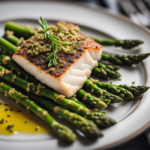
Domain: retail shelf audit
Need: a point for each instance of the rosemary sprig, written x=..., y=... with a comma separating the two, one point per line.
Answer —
x=54, y=41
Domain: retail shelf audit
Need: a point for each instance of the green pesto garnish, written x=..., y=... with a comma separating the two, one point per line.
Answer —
x=40, y=59
x=30, y=41
x=62, y=66
x=76, y=47
x=10, y=127
x=6, y=109
x=54, y=41
x=64, y=63
x=2, y=121
x=51, y=70
x=83, y=38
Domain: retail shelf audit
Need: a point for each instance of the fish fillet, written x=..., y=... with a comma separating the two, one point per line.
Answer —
x=66, y=80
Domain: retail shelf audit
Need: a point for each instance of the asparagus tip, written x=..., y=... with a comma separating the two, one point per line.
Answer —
x=64, y=132
x=129, y=95
x=105, y=121
x=100, y=104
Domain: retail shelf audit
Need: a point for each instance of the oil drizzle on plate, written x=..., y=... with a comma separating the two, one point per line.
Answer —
x=23, y=121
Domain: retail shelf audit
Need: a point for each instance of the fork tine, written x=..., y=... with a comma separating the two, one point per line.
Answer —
x=133, y=13
x=142, y=7
x=128, y=7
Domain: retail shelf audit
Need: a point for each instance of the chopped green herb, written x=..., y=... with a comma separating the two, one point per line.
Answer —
x=8, y=115
x=5, y=104
x=6, y=109
x=51, y=59
x=25, y=122
x=18, y=110
x=58, y=31
x=110, y=82
x=1, y=103
x=119, y=79
x=133, y=82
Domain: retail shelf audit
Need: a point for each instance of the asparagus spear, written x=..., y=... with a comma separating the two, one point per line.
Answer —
x=100, y=72
x=113, y=67
x=19, y=30
x=7, y=46
x=125, y=59
x=105, y=70
x=123, y=43
x=89, y=85
x=116, y=67
x=92, y=100
x=84, y=125
x=135, y=90
x=13, y=39
x=77, y=101
x=122, y=92
x=60, y=99
x=62, y=131
x=110, y=72
x=132, y=59
x=111, y=59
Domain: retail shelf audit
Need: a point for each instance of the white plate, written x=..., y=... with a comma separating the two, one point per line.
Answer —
x=133, y=115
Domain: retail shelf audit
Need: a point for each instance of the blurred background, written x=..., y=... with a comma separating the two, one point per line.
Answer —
x=139, y=12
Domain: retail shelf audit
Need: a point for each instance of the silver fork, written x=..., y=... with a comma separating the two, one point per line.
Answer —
x=142, y=7
x=134, y=14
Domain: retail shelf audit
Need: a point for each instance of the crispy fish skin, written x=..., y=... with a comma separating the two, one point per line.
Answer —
x=66, y=80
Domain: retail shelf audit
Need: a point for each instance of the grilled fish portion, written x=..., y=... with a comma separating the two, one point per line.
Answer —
x=74, y=63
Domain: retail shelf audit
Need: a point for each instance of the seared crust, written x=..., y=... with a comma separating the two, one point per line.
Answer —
x=69, y=59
